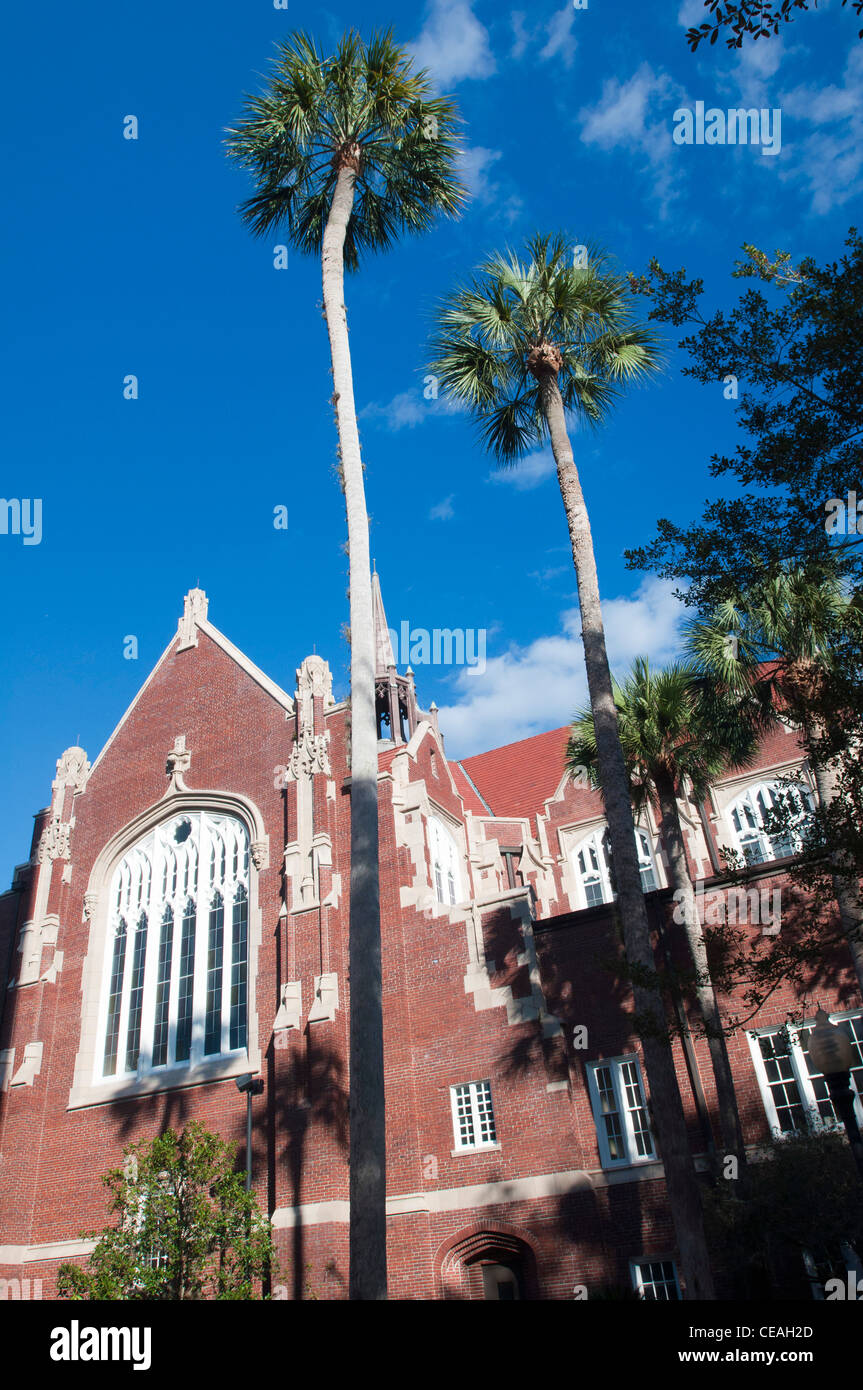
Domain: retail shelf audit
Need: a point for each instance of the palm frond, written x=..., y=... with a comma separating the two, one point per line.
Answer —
x=364, y=96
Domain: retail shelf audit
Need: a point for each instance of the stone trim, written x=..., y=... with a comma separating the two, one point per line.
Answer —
x=478, y=1195
x=31, y=1065
x=53, y=1250
x=180, y=1078
x=85, y=1089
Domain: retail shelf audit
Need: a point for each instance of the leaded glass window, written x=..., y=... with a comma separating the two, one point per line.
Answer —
x=176, y=967
x=750, y=815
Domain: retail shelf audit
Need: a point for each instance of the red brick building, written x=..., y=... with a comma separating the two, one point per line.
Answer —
x=182, y=920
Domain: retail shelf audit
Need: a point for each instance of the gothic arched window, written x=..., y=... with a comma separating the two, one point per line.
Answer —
x=594, y=867
x=444, y=862
x=750, y=812
x=176, y=968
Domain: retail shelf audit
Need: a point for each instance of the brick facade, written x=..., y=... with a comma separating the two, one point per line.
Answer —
x=489, y=988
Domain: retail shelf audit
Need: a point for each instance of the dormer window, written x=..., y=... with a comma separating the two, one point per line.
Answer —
x=595, y=872
x=750, y=812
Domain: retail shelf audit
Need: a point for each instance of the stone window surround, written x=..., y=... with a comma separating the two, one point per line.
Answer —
x=722, y=795
x=572, y=836
x=86, y=1090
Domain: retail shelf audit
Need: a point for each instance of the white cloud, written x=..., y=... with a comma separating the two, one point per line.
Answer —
x=829, y=158
x=408, y=409
x=635, y=115
x=692, y=12
x=475, y=164
x=530, y=689
x=528, y=473
x=443, y=511
x=453, y=43
x=561, y=40
x=404, y=410
x=522, y=37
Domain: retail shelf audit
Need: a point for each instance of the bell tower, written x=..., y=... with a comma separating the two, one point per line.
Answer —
x=395, y=697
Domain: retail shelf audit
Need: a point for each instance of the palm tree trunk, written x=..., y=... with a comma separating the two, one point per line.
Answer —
x=682, y=1184
x=368, y=1252
x=672, y=834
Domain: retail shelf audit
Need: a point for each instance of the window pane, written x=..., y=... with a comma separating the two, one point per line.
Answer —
x=658, y=1281
x=485, y=1118
x=637, y=1110
x=163, y=989
x=782, y=1081
x=187, y=982
x=115, y=996
x=239, y=948
x=133, y=1035
x=215, y=949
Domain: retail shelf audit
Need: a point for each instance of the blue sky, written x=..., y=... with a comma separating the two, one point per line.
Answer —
x=128, y=257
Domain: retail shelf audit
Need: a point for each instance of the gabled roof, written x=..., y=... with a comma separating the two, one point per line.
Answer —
x=518, y=779
x=198, y=620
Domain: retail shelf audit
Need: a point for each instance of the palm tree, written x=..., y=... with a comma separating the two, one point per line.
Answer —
x=679, y=732
x=779, y=640
x=347, y=152
x=522, y=343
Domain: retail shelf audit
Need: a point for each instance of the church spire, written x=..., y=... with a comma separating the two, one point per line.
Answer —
x=395, y=697
x=384, y=657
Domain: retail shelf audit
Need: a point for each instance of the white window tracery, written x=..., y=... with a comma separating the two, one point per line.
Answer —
x=446, y=874
x=594, y=869
x=176, y=969
x=749, y=814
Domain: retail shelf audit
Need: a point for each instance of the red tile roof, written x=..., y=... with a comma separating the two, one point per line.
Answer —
x=466, y=791
x=519, y=778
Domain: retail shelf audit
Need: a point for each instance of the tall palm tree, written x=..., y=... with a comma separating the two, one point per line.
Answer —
x=525, y=341
x=346, y=152
x=779, y=639
x=679, y=732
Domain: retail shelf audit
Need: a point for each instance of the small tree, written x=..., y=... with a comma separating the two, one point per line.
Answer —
x=765, y=1239
x=185, y=1226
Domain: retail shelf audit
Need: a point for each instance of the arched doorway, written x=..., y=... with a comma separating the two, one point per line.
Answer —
x=490, y=1264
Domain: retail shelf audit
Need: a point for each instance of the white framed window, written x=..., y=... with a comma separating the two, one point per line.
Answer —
x=175, y=984
x=473, y=1116
x=445, y=866
x=655, y=1280
x=795, y=1095
x=594, y=868
x=620, y=1112
x=749, y=812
